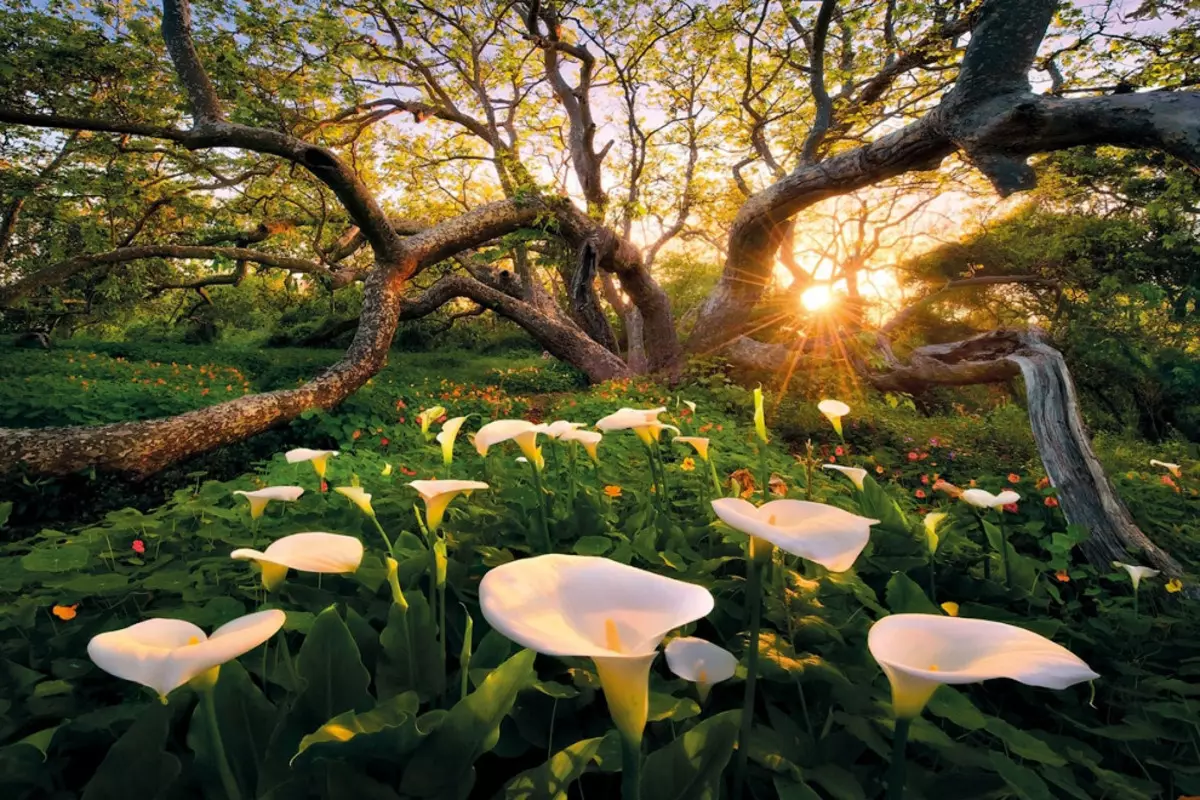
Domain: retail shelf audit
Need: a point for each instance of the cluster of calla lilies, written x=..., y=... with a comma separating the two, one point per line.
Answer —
x=615, y=614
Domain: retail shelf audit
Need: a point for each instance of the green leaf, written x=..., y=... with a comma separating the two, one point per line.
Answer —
x=5, y=513
x=246, y=719
x=410, y=659
x=1024, y=744
x=949, y=703
x=137, y=766
x=690, y=767
x=335, y=679
x=56, y=559
x=593, y=545
x=551, y=780
x=443, y=765
x=389, y=730
x=875, y=503
x=904, y=596
x=1022, y=780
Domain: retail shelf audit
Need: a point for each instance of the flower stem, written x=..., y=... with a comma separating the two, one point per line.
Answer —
x=765, y=472
x=543, y=514
x=383, y=533
x=631, y=769
x=932, y=579
x=712, y=469
x=899, y=766
x=754, y=602
x=1004, y=555
x=223, y=769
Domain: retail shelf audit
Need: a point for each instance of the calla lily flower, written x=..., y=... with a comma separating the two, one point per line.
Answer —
x=834, y=410
x=981, y=498
x=164, y=654
x=932, y=520
x=585, y=606
x=387, y=469
x=1136, y=573
x=446, y=437
x=428, y=417
x=523, y=432
x=1169, y=467
x=319, y=458
x=760, y=415
x=690, y=405
x=919, y=652
x=642, y=421
x=438, y=494
x=305, y=552
x=699, y=443
x=589, y=439
x=818, y=532
x=259, y=498
x=853, y=473
x=556, y=429
x=700, y=661
x=357, y=496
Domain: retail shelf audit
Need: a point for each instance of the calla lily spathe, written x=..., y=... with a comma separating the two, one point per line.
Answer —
x=164, y=654
x=428, y=417
x=1136, y=573
x=305, y=552
x=834, y=410
x=698, y=443
x=556, y=429
x=446, y=437
x=700, y=661
x=919, y=652
x=855, y=474
x=642, y=421
x=438, y=494
x=932, y=520
x=760, y=415
x=1168, y=466
x=356, y=495
x=981, y=498
x=319, y=458
x=589, y=439
x=259, y=498
x=818, y=532
x=584, y=606
x=521, y=431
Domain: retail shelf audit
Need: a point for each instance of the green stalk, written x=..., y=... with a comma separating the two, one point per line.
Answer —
x=712, y=469
x=1004, y=555
x=631, y=769
x=662, y=471
x=223, y=769
x=383, y=533
x=754, y=601
x=543, y=515
x=1135, y=602
x=899, y=766
x=765, y=472
x=933, y=578
x=571, y=468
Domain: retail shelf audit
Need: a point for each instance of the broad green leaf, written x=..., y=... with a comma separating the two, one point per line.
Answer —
x=443, y=767
x=56, y=559
x=1022, y=780
x=409, y=657
x=138, y=766
x=1024, y=744
x=690, y=767
x=593, y=545
x=551, y=780
x=246, y=719
x=335, y=679
x=390, y=730
x=952, y=704
x=904, y=596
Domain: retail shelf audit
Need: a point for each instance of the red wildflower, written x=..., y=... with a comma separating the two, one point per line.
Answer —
x=1011, y=508
x=925, y=479
x=839, y=451
x=1014, y=477
x=1051, y=502
x=920, y=494
x=384, y=441
x=912, y=456
x=407, y=471
x=139, y=546
x=324, y=486
x=1166, y=480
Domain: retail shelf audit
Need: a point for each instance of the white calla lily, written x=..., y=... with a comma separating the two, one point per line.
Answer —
x=1174, y=469
x=556, y=429
x=438, y=494
x=428, y=417
x=1136, y=573
x=356, y=495
x=698, y=443
x=855, y=474
x=589, y=439
x=919, y=652
x=319, y=458
x=818, y=532
x=834, y=410
x=585, y=606
x=164, y=654
x=932, y=520
x=446, y=437
x=700, y=661
x=521, y=431
x=259, y=498
x=305, y=552
x=642, y=421
x=981, y=498
x=690, y=405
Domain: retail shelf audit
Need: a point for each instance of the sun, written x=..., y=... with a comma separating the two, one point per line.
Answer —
x=816, y=298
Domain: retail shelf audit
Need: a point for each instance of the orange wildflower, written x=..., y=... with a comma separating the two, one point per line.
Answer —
x=1061, y=576
x=612, y=490
x=1014, y=477
x=65, y=613
x=1051, y=502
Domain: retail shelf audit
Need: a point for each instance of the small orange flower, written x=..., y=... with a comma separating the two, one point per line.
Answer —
x=1043, y=483
x=688, y=464
x=920, y=494
x=1166, y=480
x=66, y=613
x=879, y=469
x=612, y=490
x=355, y=435
x=1051, y=502
x=1061, y=576
x=1014, y=477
